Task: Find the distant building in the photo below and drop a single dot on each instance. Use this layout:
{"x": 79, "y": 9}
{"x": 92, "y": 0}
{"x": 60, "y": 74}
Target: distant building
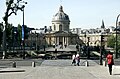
{"x": 94, "y": 35}
{"x": 60, "y": 34}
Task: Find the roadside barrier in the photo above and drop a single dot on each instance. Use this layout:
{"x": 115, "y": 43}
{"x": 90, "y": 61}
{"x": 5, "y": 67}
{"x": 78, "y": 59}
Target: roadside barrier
{"x": 104, "y": 63}
{"x": 33, "y": 64}
{"x": 10, "y": 64}
{"x": 85, "y": 63}
{"x": 14, "y": 64}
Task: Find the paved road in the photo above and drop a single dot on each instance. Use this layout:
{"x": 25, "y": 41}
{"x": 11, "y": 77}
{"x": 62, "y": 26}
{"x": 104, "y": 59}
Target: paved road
{"x": 61, "y": 69}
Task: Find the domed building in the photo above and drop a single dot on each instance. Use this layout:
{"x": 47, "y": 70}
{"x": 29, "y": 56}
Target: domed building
{"x": 60, "y": 34}
{"x": 60, "y": 21}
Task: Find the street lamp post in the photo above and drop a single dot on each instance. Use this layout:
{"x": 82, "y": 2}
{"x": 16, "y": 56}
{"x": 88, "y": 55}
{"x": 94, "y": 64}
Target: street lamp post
{"x": 85, "y": 38}
{"x": 101, "y": 50}
{"x": 23, "y": 41}
{"x": 36, "y": 41}
{"x": 4, "y": 41}
{"x": 44, "y": 42}
{"x": 85, "y": 43}
{"x": 88, "y": 51}
{"x": 116, "y": 37}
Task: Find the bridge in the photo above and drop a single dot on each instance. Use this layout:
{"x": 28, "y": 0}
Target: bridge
{"x": 58, "y": 51}
{"x": 62, "y": 49}
{"x": 51, "y": 52}
{"x": 62, "y": 52}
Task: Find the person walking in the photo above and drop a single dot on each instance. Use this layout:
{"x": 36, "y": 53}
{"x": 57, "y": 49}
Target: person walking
{"x": 73, "y": 59}
{"x": 110, "y": 61}
{"x": 77, "y": 59}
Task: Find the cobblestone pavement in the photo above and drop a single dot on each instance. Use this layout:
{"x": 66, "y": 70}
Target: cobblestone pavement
{"x": 61, "y": 69}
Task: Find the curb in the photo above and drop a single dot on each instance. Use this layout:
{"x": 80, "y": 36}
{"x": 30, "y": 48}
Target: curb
{"x": 11, "y": 70}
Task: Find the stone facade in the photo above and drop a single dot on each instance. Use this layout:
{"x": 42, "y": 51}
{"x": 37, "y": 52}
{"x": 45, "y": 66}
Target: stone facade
{"x": 60, "y": 34}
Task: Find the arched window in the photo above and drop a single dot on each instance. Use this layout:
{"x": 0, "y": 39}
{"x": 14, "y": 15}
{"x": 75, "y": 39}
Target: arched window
{"x": 60, "y": 27}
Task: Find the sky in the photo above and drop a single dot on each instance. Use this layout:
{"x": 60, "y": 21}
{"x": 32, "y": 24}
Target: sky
{"x": 83, "y": 14}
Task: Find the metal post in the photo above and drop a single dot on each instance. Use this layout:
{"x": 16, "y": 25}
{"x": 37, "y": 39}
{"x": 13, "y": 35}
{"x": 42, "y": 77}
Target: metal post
{"x": 101, "y": 63}
{"x": 14, "y": 64}
{"x": 85, "y": 42}
{"x": 116, "y": 37}
{"x": 31, "y": 40}
{"x": 101, "y": 56}
{"x": 4, "y": 42}
{"x": 23, "y": 38}
{"x": 33, "y": 64}
{"x": 36, "y": 41}
{"x": 85, "y": 38}
{"x": 88, "y": 51}
{"x": 44, "y": 42}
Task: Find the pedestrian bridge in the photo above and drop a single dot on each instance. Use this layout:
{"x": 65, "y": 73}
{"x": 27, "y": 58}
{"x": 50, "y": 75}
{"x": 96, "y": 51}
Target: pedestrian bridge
{"x": 62, "y": 53}
{"x": 59, "y": 49}
{"x": 58, "y": 52}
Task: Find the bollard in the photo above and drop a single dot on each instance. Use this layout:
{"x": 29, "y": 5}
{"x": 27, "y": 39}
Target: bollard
{"x": 86, "y": 63}
{"x": 14, "y": 64}
{"x": 33, "y": 64}
{"x": 104, "y": 63}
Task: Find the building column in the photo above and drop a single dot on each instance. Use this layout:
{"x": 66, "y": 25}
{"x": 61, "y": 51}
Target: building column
{"x": 66, "y": 40}
{"x": 57, "y": 40}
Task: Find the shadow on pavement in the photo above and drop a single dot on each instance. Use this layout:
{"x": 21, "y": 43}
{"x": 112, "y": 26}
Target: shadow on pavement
{"x": 116, "y": 74}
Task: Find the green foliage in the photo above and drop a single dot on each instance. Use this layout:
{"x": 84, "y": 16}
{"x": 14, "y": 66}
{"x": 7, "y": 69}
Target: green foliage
{"x": 9, "y": 33}
{"x": 1, "y": 33}
{"x": 19, "y": 33}
{"x": 111, "y": 41}
{"x": 118, "y": 41}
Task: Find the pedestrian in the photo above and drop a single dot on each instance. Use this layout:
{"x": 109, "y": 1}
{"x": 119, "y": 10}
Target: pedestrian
{"x": 77, "y": 59}
{"x": 73, "y": 60}
{"x": 110, "y": 61}
{"x": 65, "y": 45}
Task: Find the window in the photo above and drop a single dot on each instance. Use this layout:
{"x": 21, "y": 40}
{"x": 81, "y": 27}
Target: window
{"x": 54, "y": 27}
{"x": 60, "y": 27}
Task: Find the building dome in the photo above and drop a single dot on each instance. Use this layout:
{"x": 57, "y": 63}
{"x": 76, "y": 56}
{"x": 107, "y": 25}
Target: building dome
{"x": 60, "y": 16}
{"x": 60, "y": 21}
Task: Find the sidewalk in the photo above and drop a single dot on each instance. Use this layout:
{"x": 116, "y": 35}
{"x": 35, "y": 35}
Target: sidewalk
{"x": 62, "y": 69}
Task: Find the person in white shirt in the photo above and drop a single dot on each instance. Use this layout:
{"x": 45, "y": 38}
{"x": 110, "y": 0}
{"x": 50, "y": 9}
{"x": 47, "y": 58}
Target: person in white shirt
{"x": 77, "y": 59}
{"x": 73, "y": 59}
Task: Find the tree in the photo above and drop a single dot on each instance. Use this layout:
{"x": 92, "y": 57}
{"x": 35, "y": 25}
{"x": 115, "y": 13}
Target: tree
{"x": 19, "y": 34}
{"x": 111, "y": 41}
{"x": 118, "y": 39}
{"x": 1, "y": 33}
{"x": 9, "y": 34}
{"x": 12, "y": 8}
